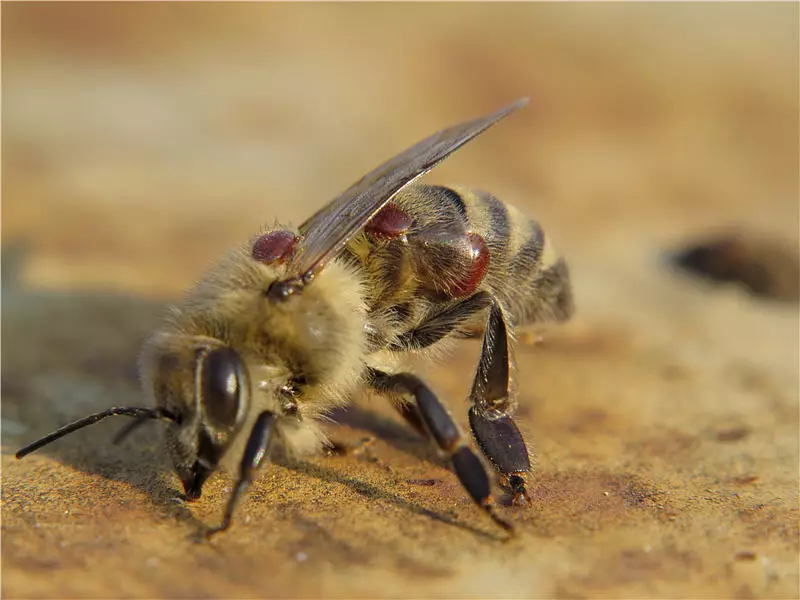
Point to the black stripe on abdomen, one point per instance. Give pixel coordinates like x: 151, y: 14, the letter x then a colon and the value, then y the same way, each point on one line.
x: 445, y: 194
x: 525, y: 263
x: 498, y: 226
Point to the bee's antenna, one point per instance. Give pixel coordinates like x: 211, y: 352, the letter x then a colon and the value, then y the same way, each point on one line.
x: 128, y: 411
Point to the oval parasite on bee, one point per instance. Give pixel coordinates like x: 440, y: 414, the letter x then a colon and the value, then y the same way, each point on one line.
x: 389, y: 223
x: 274, y: 246
x: 298, y: 321
x: 478, y: 265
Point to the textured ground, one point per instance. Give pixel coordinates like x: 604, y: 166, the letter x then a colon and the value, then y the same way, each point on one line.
x: 141, y: 140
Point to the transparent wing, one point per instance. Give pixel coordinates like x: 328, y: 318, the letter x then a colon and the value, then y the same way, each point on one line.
x: 325, y: 234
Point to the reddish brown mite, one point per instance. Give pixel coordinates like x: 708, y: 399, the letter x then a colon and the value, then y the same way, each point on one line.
x: 479, y: 254
x: 391, y: 222
x: 274, y: 247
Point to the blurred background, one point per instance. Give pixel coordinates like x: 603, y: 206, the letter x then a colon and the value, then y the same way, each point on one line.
x: 128, y: 129
x: 140, y: 140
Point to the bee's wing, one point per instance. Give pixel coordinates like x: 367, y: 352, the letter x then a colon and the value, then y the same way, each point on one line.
x: 325, y: 234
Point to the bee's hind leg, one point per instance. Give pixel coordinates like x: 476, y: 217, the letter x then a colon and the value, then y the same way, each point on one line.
x: 445, y: 432
x: 493, y: 404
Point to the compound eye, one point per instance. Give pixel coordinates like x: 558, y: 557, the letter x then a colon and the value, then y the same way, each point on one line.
x: 222, y: 378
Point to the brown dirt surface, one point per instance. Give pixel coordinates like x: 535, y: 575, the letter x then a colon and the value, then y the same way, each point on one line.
x: 142, y: 140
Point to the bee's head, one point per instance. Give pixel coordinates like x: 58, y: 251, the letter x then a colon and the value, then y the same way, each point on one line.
x: 200, y: 387
x: 207, y: 388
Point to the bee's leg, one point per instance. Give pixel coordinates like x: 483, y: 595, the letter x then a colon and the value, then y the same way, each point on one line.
x: 445, y: 432
x: 428, y: 333
x: 493, y: 404
x: 441, y: 324
x: 255, y: 452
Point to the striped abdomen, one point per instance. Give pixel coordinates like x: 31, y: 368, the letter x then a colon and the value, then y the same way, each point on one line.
x: 525, y: 273
x: 434, y: 247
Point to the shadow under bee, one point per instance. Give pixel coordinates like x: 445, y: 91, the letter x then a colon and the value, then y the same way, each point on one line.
x: 396, y: 434
x: 373, y: 492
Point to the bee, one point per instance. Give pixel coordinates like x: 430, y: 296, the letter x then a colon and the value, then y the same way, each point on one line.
x: 298, y: 321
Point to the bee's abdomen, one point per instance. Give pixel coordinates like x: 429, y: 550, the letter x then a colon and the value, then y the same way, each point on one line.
x: 525, y: 272
x: 454, y: 243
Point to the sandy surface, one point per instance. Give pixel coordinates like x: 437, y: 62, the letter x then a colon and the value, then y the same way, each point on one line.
x: 140, y: 141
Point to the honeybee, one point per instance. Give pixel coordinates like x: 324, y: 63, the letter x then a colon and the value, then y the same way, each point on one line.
x: 296, y: 322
